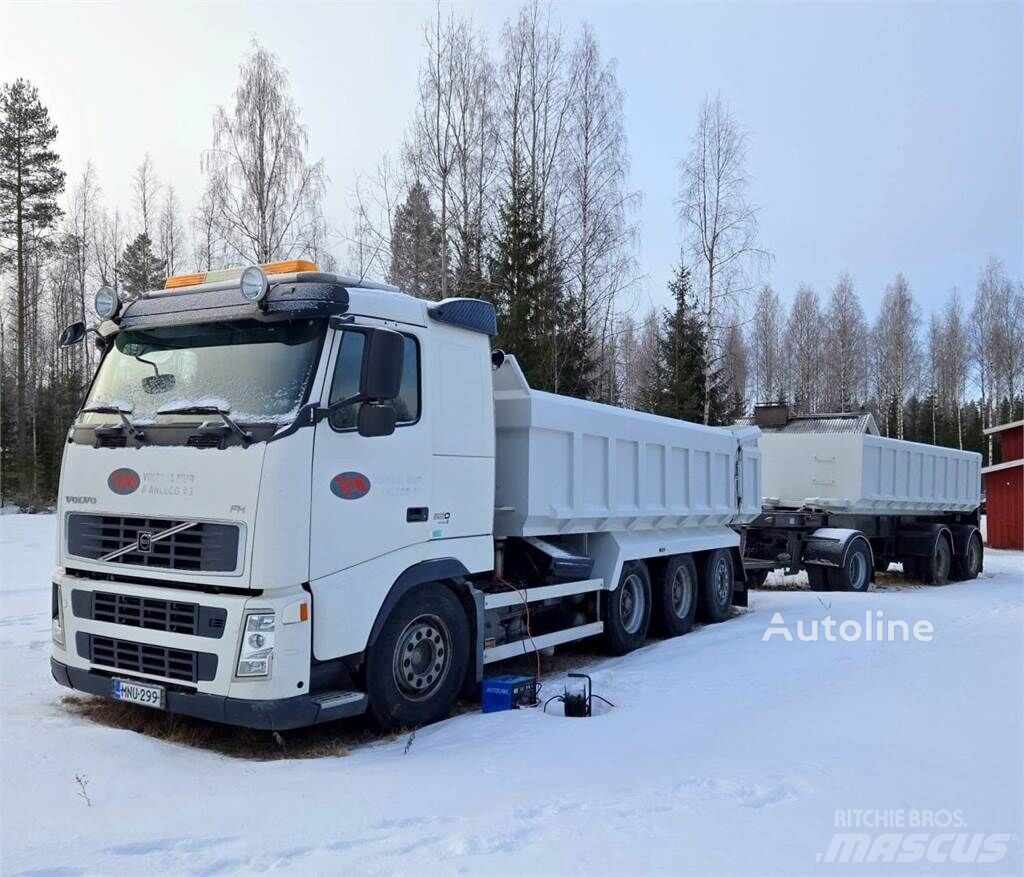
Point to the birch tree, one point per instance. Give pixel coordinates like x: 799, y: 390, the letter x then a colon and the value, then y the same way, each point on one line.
x: 433, y: 146
x: 145, y: 192
x: 598, y: 233
x: 171, y: 233
x: 719, y: 220
x: 805, y: 343
x: 765, y: 343
x: 266, y: 196
x: 846, y: 340
x: 897, y: 351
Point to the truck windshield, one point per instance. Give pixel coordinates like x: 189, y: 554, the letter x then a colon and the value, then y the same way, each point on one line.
x: 261, y: 371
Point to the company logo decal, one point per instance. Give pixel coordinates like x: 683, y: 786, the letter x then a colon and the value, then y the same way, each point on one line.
x: 123, y: 481
x: 350, y: 485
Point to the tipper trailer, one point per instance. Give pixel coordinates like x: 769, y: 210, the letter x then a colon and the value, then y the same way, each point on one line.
x: 292, y: 497
x: 844, y: 506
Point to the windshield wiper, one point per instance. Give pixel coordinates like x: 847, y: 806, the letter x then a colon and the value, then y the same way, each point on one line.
x: 120, y: 411
x: 223, y: 413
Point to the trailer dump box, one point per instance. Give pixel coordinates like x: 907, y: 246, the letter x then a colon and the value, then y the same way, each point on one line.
x: 867, y: 474
x: 569, y: 466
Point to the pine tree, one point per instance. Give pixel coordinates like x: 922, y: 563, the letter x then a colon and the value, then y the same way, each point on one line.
x: 416, y: 246
x: 141, y: 269
x: 30, y: 182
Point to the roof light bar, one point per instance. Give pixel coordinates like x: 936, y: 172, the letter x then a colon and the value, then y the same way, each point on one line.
x: 290, y: 266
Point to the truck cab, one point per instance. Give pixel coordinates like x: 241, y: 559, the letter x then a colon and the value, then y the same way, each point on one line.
x: 252, y: 471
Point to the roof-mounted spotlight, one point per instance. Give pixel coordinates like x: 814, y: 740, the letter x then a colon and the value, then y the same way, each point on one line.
x: 254, y: 285
x: 107, y: 303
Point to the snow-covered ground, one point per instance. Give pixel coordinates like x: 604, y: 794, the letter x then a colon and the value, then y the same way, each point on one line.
x: 725, y: 754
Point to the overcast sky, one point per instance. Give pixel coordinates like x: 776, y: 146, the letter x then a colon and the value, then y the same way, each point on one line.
x: 884, y: 137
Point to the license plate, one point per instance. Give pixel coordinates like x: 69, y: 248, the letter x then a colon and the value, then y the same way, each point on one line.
x: 137, y: 692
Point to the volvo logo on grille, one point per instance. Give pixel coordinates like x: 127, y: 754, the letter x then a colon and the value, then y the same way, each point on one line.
x: 145, y: 543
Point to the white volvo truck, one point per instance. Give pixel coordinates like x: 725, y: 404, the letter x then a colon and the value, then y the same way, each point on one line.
x: 295, y: 497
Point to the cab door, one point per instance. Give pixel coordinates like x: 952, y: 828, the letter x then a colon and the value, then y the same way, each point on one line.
x: 370, y: 496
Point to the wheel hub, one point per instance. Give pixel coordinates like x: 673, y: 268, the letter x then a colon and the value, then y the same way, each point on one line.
x: 631, y: 604
x: 422, y: 657
x: 682, y: 593
x: 723, y: 586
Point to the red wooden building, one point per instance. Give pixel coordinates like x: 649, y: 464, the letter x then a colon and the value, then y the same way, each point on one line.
x: 1003, y: 484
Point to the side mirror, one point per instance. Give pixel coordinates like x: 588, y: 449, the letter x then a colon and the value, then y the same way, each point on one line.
x: 72, y: 335
x: 381, y: 375
x: 375, y: 420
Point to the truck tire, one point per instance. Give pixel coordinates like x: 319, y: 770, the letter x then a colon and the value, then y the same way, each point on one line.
x: 415, y: 668
x: 968, y: 565
x: 817, y: 578
x: 935, y: 569
x: 675, y: 595
x: 855, y: 573
x: 716, y: 584
x: 627, y: 611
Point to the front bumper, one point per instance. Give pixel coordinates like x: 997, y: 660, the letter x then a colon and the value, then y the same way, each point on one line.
x: 276, y: 715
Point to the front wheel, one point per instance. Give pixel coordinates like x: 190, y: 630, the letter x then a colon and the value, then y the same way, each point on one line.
x: 627, y: 611
x: 716, y: 586
x: 415, y: 668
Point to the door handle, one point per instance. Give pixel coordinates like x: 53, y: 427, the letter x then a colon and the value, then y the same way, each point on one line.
x: 416, y: 514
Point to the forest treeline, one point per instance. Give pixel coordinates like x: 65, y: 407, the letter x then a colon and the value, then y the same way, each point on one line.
x: 511, y: 184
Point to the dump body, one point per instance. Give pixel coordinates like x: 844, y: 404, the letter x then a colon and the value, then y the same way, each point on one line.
x: 565, y: 465
x: 867, y: 474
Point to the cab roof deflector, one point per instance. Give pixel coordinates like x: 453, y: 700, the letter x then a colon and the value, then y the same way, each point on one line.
x: 468, y: 313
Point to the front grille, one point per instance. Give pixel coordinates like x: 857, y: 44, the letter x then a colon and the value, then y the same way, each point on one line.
x: 172, y: 616
x: 131, y: 657
x: 203, y: 547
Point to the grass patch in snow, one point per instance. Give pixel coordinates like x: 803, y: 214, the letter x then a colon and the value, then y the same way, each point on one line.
x: 330, y: 740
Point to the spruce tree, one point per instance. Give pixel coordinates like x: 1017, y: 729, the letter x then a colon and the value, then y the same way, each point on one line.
x: 416, y: 246
x: 30, y: 182
x: 678, y: 382
x: 521, y: 287
x: 141, y: 269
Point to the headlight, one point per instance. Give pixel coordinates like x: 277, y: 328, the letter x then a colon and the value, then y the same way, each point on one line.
x: 253, y: 283
x: 257, y: 650
x: 57, y: 613
x: 106, y: 302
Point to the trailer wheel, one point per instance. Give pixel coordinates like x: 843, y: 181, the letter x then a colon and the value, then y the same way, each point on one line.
x: 415, y: 668
x: 937, y: 567
x: 716, y: 586
x: 817, y: 578
x: 969, y: 565
x: 676, y: 595
x: 627, y: 611
x: 855, y: 573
